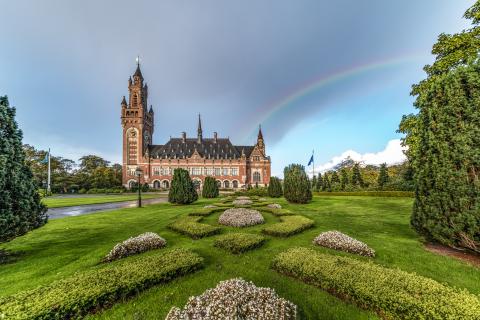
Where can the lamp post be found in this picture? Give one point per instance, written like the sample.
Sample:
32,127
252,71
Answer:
138,172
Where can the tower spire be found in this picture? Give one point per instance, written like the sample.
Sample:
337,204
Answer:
260,134
199,130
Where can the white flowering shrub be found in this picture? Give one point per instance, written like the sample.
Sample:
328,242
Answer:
144,242
240,217
242,202
274,206
243,198
339,241
236,299
210,206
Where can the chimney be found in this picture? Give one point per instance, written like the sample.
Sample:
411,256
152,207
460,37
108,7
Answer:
184,136
215,137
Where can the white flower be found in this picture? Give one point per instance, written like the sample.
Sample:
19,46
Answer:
274,206
339,241
240,217
242,202
210,206
144,242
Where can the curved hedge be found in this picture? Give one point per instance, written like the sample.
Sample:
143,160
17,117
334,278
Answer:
239,242
392,293
288,226
80,293
191,226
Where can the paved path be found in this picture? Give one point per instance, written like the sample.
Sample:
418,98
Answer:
56,213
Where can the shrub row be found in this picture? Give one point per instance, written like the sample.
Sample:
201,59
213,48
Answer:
192,227
397,194
204,212
134,245
393,293
239,242
288,226
277,212
76,295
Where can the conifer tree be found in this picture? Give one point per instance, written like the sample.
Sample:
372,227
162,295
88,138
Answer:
319,186
383,176
20,206
327,186
314,183
210,188
275,188
296,185
357,179
335,181
182,190
344,178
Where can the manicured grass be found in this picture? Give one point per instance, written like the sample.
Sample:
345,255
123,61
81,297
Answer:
77,201
76,244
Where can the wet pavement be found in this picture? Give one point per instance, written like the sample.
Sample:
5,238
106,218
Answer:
56,213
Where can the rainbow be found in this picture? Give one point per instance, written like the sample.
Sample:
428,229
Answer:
322,81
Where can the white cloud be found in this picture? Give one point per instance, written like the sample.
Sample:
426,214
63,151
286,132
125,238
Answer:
392,154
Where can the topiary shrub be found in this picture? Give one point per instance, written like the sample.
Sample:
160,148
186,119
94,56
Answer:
296,185
236,299
210,188
393,293
192,227
134,245
275,188
239,242
288,226
182,190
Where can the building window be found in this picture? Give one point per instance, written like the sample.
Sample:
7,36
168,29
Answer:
217,171
209,171
226,184
131,172
256,177
235,184
234,171
256,158
157,171
196,171
225,171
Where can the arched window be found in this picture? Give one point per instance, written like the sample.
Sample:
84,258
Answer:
196,183
165,184
132,184
134,100
219,183
156,184
235,184
256,177
226,184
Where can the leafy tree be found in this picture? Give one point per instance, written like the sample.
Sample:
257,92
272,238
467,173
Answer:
357,179
327,185
383,177
296,185
275,188
335,181
443,141
89,163
343,178
182,190
319,183
210,188
20,206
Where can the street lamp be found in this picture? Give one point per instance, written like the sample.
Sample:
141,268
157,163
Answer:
138,173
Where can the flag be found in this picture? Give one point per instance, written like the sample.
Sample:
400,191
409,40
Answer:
311,160
47,155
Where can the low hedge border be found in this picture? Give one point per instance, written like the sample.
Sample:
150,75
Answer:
192,227
399,194
288,226
393,293
205,212
277,212
239,242
75,296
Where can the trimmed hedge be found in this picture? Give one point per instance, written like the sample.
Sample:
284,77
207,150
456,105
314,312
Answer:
288,226
192,227
277,212
239,242
80,293
395,194
204,212
393,293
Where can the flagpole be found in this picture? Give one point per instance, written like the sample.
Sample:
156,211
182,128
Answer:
49,175
313,161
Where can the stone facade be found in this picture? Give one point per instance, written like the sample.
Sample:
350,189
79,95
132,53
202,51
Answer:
233,166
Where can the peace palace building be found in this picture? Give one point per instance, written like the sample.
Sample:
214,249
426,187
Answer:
232,166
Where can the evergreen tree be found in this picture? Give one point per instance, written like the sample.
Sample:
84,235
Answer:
314,183
335,181
20,206
443,141
327,186
210,188
357,179
383,176
275,188
182,190
296,185
344,178
319,186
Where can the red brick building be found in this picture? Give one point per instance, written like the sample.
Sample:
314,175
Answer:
232,166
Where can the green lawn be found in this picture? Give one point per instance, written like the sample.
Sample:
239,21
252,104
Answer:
67,245
77,201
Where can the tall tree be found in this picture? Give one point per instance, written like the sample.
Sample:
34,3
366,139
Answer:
182,190
357,179
210,188
296,185
314,182
20,206
383,176
89,163
335,180
327,186
443,141
275,188
319,186
344,178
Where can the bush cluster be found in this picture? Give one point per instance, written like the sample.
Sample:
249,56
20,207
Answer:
235,299
80,293
210,188
239,242
339,241
274,206
288,226
240,217
144,242
242,202
398,194
277,212
192,227
394,293
204,212
296,185
243,198
275,189
182,190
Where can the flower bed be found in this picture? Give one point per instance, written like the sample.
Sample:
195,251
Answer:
289,226
210,206
76,295
235,299
339,241
144,242
240,217
242,202
243,198
191,227
393,293
274,206
239,242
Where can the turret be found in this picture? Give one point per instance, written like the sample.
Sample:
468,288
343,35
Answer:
199,130
260,142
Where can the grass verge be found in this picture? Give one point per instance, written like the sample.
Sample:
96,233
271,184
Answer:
74,201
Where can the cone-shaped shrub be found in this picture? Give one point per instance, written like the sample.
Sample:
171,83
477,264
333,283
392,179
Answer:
275,188
182,190
20,206
210,188
296,186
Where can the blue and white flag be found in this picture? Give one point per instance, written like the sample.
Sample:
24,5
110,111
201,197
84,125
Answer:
311,160
47,155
